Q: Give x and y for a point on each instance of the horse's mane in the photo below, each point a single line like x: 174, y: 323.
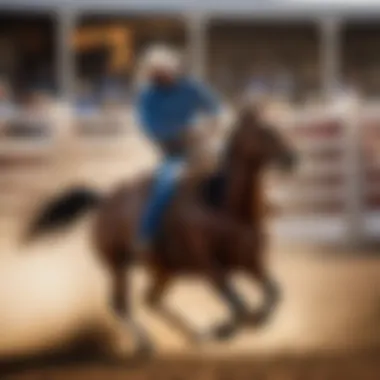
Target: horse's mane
x: 213, y: 188
x: 246, y: 116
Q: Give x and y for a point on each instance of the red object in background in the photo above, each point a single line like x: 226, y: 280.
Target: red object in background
x: 372, y: 202
x: 372, y: 175
x: 323, y: 207
x: 320, y: 130
x: 327, y: 155
x: 322, y: 180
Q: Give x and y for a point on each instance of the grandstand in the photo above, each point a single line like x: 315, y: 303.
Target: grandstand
x: 327, y: 35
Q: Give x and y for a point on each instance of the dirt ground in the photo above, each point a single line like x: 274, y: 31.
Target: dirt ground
x: 56, y: 324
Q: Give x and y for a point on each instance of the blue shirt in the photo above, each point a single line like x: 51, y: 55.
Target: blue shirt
x: 166, y: 112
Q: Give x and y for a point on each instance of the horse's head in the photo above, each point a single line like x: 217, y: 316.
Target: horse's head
x: 256, y: 143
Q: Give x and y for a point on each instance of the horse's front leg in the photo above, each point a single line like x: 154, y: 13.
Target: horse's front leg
x: 198, y: 244
x: 202, y: 226
x: 272, y: 297
x: 258, y: 272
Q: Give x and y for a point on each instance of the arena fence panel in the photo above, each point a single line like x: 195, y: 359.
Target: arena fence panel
x: 324, y: 201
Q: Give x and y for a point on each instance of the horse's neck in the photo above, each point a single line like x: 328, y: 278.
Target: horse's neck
x: 258, y: 201
x: 244, y: 197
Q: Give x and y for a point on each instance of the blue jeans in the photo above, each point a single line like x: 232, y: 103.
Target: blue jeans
x: 164, y: 187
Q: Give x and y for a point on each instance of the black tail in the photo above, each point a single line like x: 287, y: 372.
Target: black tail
x: 62, y: 211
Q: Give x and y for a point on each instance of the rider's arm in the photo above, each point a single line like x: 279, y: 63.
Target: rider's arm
x: 207, y: 101
x: 143, y: 113
x: 146, y: 120
x: 208, y: 104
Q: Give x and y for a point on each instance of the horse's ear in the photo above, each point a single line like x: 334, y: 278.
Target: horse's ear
x: 248, y: 115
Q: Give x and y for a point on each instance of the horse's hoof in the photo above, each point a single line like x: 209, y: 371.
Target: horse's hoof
x: 259, y: 319
x: 199, y: 338
x: 145, y: 351
x: 224, y: 332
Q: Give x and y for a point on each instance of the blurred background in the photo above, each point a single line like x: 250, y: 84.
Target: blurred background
x: 67, y: 84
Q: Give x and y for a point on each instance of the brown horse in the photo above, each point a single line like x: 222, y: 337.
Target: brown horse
x: 214, y: 226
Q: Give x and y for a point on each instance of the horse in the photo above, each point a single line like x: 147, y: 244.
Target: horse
x: 213, y: 227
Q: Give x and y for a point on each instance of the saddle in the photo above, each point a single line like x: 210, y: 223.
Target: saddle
x: 167, y: 179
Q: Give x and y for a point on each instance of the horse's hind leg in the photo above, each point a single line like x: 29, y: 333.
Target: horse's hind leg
x: 121, y: 292
x: 272, y: 297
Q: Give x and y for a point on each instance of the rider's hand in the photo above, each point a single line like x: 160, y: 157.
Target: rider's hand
x: 212, y: 126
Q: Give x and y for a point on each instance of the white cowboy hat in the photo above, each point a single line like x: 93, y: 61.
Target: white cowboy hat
x: 161, y: 57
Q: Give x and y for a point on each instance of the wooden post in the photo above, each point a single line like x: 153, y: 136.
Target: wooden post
x: 65, y: 54
x: 330, y: 56
x: 197, y: 43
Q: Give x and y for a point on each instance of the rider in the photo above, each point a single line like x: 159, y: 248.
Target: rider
x: 167, y: 107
